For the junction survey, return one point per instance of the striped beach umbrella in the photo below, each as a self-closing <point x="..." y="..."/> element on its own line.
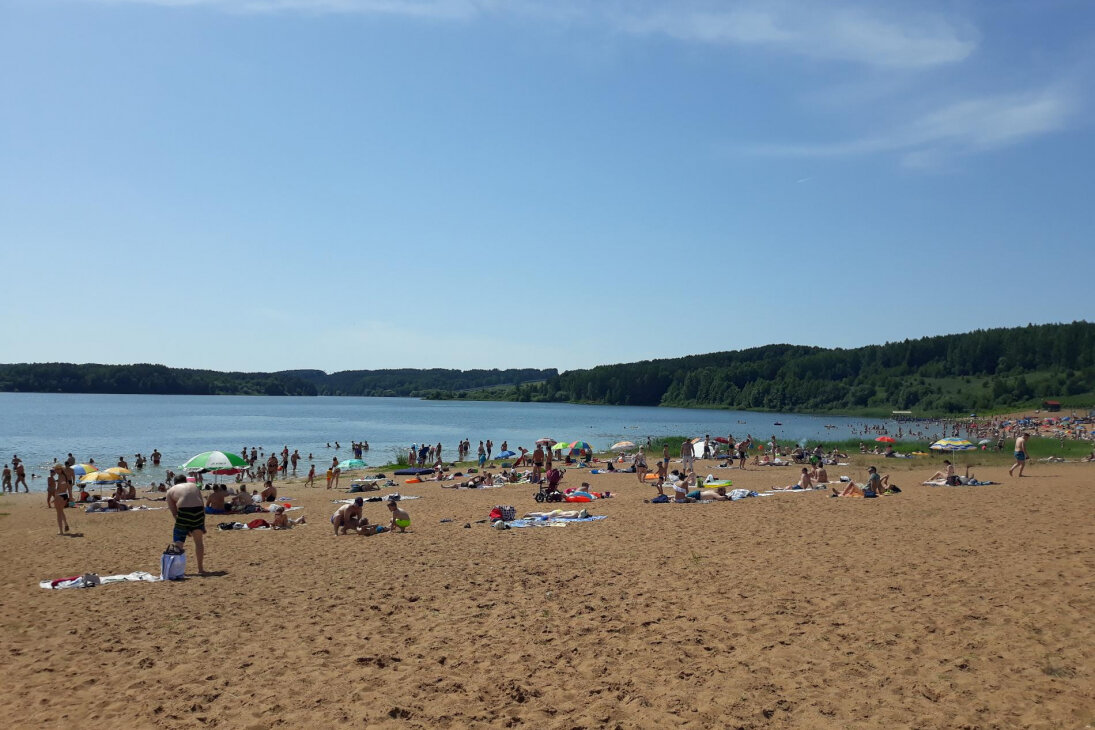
<point x="101" y="477"/>
<point x="952" y="444"/>
<point x="622" y="445"/>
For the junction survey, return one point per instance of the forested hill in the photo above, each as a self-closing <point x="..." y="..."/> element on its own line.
<point x="979" y="370"/>
<point x="411" y="382"/>
<point x="162" y="380"/>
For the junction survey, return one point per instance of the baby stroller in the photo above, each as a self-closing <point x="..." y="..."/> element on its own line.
<point x="550" y="493"/>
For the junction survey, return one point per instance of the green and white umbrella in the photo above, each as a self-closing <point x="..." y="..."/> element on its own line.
<point x="214" y="461"/>
<point x="351" y="464"/>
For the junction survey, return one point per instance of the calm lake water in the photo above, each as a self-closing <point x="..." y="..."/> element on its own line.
<point x="41" y="427"/>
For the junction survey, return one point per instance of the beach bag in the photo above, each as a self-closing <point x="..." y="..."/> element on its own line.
<point x="172" y="563"/>
<point x="503" y="512"/>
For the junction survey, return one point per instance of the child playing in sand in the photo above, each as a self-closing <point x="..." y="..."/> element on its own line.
<point x="400" y="518"/>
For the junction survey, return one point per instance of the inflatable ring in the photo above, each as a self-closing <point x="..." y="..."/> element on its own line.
<point x="412" y="480"/>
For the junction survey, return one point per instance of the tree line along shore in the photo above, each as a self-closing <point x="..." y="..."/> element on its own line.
<point x="982" y="371"/>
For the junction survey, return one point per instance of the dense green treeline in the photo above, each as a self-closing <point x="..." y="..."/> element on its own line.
<point x="144" y="379"/>
<point x="162" y="380"/>
<point x="981" y="370"/>
<point x="410" y="382"/>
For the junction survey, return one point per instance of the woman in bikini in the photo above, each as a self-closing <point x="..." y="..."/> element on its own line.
<point x="62" y="491"/>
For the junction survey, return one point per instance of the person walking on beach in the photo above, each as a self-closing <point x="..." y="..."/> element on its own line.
<point x="688" y="456"/>
<point x="311" y="480"/>
<point x="7" y="478"/>
<point x="1020" y="456"/>
<point x="482" y="455"/>
<point x="186" y="505"/>
<point x="21" y="476"/>
<point x="57" y="485"/>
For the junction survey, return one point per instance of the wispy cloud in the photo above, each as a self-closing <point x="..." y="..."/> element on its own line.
<point x="970" y="125"/>
<point x="840" y="31"/>
<point x="830" y="31"/>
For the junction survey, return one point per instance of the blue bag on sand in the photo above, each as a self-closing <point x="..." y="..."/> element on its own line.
<point x="172" y="564"/>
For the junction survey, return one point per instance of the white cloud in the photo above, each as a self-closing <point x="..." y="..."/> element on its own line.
<point x="966" y="126"/>
<point x="839" y="31"/>
<point x="816" y="30"/>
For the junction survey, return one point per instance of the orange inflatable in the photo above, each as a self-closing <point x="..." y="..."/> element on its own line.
<point x="412" y="480"/>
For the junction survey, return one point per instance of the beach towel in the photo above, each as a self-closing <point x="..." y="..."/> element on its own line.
<point x="970" y="483"/>
<point x="91" y="511"/>
<point x="90" y="580"/>
<point x="554" y="521"/>
<point x="393" y="497"/>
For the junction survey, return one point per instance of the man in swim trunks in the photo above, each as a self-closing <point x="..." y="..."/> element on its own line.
<point x="1020" y="454"/>
<point x="717" y="494"/>
<point x="348" y="516"/>
<point x="185" y="502"/>
<point x="400" y="518"/>
<point x="214" y="503"/>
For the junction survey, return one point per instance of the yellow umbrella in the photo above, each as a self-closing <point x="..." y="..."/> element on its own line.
<point x="117" y="470"/>
<point x="100" y="476"/>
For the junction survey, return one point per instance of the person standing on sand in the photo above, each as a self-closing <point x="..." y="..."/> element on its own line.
<point x="640" y="465"/>
<point x="57" y="485"/>
<point x="7" y="478"/>
<point x="311" y="480"/>
<point x="272" y="467"/>
<point x="336" y="472"/>
<point x="1020" y="455"/>
<point x="688" y="456"/>
<point x="21" y="476"/>
<point x="665" y="451"/>
<point x="490" y="448"/>
<point x="186" y="505"/>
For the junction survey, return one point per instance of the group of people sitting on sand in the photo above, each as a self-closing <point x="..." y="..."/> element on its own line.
<point x="349" y="518"/>
<point x="220" y="501"/>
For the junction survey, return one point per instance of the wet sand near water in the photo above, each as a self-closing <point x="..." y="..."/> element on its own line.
<point x="935" y="608"/>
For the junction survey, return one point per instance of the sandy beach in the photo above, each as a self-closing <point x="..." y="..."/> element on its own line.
<point x="936" y="608"/>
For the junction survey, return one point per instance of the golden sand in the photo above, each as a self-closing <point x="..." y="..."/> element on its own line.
<point x="936" y="608"/>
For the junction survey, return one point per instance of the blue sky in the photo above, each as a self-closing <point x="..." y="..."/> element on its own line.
<point x="345" y="184"/>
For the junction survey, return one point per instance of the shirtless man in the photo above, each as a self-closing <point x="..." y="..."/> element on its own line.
<point x="347" y="516"/>
<point x="688" y="456"/>
<point x="1020" y="456"/>
<point x="122" y="463"/>
<point x="272" y="467"/>
<point x="821" y="476"/>
<point x="717" y="494"/>
<point x="185" y="502"/>
<point x="269" y="491"/>
<point x="156" y="457"/>
<point x="400" y="518"/>
<point x="214" y="503"/>
<point x="7" y="478"/>
<point x="537" y="464"/>
<point x="21" y="476"/>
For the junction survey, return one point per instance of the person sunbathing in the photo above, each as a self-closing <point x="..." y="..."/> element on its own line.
<point x="820" y="475"/>
<point x="873" y="488"/>
<point x="947" y="475"/>
<point x="564" y="514"/>
<point x="269" y="491"/>
<point x="717" y="494"/>
<point x="804" y="482"/>
<point x="474" y="483"/>
<point x="282" y="521"/>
